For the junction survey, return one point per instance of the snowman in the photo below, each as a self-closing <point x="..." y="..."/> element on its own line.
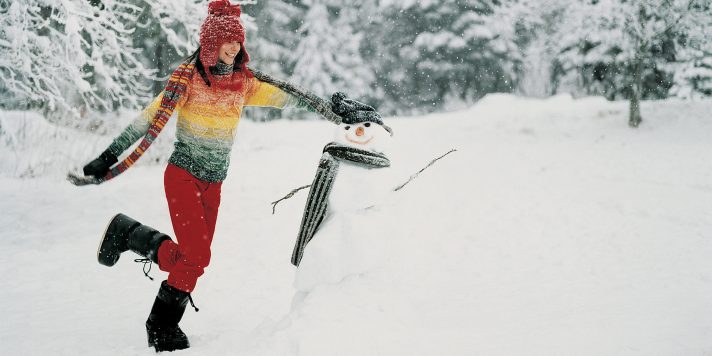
<point x="353" y="178"/>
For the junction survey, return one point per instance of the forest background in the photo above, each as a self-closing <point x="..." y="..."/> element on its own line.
<point x="73" y="60"/>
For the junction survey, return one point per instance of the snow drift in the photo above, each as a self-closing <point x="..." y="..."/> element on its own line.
<point x="553" y="230"/>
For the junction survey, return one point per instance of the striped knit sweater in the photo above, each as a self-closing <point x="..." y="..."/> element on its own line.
<point x="207" y="122"/>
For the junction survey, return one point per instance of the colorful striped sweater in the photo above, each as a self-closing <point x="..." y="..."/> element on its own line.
<point x="207" y="122"/>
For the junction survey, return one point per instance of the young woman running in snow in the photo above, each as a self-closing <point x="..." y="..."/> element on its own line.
<point x="208" y="91"/>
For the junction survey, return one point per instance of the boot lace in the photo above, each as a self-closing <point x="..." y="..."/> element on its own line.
<point x="146" y="262"/>
<point x="190" y="299"/>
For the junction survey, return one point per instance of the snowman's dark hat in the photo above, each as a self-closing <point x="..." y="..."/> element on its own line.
<point x="355" y="112"/>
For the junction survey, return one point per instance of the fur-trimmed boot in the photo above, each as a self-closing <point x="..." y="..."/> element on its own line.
<point x="164" y="334"/>
<point x="123" y="234"/>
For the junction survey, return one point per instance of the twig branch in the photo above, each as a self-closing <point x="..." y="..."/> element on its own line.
<point x="291" y="194"/>
<point x="424" y="168"/>
<point x="295" y="191"/>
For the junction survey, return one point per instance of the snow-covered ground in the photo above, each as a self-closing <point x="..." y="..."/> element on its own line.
<point x="553" y="230"/>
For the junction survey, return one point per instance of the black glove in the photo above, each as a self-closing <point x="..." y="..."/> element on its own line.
<point x="100" y="166"/>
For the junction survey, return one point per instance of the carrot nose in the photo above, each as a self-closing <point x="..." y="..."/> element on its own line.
<point x="359" y="131"/>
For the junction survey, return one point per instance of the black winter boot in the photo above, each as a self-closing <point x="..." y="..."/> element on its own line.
<point x="123" y="234"/>
<point x="162" y="324"/>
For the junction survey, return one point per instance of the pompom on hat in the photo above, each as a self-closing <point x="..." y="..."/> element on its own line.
<point x="221" y="26"/>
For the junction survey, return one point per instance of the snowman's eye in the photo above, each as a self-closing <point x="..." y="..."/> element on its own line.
<point x="368" y="124"/>
<point x="347" y="127"/>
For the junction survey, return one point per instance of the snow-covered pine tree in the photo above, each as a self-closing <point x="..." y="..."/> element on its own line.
<point x="69" y="56"/>
<point x="534" y="24"/>
<point x="625" y="48"/>
<point x="428" y="54"/>
<point x="275" y="35"/>
<point x="328" y="56"/>
<point x="271" y="43"/>
<point x="693" y="64"/>
<point x="166" y="32"/>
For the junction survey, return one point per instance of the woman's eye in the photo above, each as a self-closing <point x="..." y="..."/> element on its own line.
<point x="368" y="124"/>
<point x="347" y="127"/>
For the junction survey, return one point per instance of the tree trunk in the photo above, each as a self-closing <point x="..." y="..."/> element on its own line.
<point x="634" y="117"/>
<point x="636" y="86"/>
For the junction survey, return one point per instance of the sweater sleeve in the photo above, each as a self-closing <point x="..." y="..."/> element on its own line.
<point x="139" y="126"/>
<point x="264" y="94"/>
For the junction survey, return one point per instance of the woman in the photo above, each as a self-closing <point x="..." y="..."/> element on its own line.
<point x="209" y="106"/>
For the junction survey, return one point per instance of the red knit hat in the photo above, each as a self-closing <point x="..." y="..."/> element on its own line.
<point x="221" y="26"/>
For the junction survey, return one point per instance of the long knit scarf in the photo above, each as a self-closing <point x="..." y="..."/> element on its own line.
<point x="177" y="85"/>
<point x="315" y="208"/>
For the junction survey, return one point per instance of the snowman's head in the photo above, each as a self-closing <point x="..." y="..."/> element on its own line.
<point x="366" y="135"/>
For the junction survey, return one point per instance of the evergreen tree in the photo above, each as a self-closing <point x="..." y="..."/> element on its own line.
<point x="693" y="64"/>
<point x="271" y="43"/>
<point x="534" y="24"/>
<point x="166" y="32"/>
<point x="431" y="53"/>
<point x="69" y="56"/>
<point x="626" y="48"/>
<point x="275" y="34"/>
<point x="328" y="58"/>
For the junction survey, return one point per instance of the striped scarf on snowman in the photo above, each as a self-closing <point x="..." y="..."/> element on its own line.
<point x="315" y="208"/>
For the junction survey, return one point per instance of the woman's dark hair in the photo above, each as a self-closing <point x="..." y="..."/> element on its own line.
<point x="236" y="65"/>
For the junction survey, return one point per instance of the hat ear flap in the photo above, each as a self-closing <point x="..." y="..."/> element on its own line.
<point x="209" y="53"/>
<point x="245" y="55"/>
<point x="244" y="58"/>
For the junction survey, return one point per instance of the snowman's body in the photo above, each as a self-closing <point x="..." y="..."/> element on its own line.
<point x="344" y="242"/>
<point x="356" y="188"/>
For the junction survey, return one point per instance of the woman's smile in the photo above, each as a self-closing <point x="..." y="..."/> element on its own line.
<point x="229" y="51"/>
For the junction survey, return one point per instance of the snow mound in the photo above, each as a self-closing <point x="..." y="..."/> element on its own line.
<point x="553" y="230"/>
<point x="31" y="146"/>
<point x="548" y="232"/>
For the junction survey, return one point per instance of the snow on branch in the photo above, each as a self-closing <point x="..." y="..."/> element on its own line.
<point x="70" y="55"/>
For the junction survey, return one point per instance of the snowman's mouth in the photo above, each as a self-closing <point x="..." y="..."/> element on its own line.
<point x="358" y="142"/>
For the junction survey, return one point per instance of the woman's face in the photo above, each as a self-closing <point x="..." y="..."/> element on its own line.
<point x="228" y="51"/>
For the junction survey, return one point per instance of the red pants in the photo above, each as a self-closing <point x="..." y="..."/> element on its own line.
<point x="193" y="205"/>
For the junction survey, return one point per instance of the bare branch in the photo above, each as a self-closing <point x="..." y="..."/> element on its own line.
<point x="424" y="168"/>
<point x="291" y="194"/>
<point x="295" y="191"/>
